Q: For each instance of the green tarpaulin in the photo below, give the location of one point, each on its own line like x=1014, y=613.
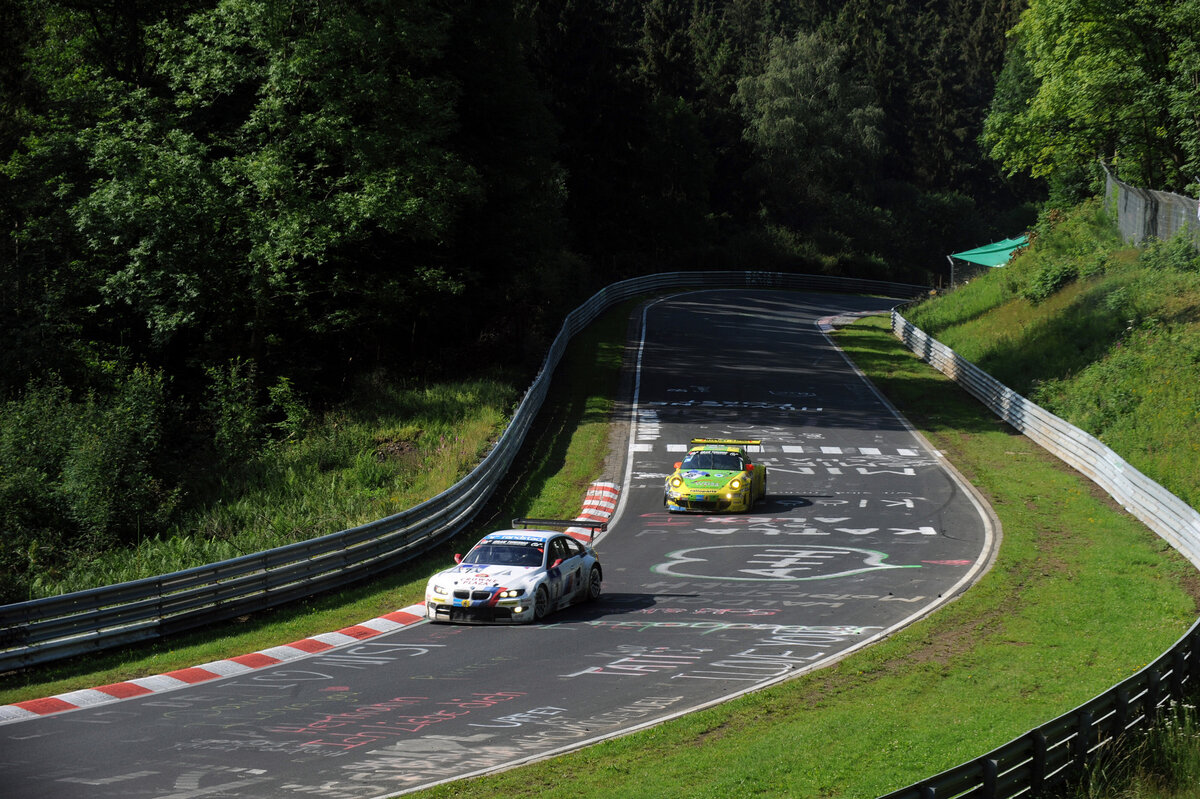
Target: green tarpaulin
x=994, y=254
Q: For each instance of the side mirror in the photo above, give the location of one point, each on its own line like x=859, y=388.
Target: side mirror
x=556, y=563
x=458, y=557
x=678, y=464
x=749, y=467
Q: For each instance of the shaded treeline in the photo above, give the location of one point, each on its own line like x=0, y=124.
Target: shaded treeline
x=218, y=216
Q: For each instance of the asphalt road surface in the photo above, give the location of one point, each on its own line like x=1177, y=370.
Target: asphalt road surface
x=862, y=530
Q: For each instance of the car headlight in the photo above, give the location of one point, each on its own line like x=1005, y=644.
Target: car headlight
x=676, y=482
x=512, y=592
x=735, y=484
x=439, y=590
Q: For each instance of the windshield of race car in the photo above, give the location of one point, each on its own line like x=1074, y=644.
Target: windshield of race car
x=506, y=553
x=724, y=461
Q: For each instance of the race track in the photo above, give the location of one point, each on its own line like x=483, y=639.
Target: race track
x=863, y=529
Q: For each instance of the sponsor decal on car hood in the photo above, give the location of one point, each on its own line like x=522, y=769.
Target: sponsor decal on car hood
x=706, y=478
x=485, y=576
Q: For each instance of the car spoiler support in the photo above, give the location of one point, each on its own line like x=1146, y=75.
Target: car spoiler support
x=595, y=527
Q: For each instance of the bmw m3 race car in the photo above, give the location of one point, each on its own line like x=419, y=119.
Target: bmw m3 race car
x=716, y=475
x=518, y=575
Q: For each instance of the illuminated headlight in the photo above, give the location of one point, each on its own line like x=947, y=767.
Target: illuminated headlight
x=439, y=590
x=512, y=592
x=676, y=482
x=735, y=484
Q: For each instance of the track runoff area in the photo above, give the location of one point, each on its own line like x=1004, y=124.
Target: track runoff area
x=863, y=529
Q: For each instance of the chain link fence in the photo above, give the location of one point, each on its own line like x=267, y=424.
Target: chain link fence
x=1143, y=214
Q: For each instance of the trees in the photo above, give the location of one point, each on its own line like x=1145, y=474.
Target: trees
x=1092, y=79
x=817, y=128
x=253, y=200
x=189, y=185
x=272, y=175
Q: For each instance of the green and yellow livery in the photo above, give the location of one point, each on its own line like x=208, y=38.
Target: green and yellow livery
x=717, y=475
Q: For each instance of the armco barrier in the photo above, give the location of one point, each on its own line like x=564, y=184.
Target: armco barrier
x=43, y=630
x=1047, y=756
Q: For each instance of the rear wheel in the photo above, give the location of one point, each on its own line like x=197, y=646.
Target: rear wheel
x=593, y=588
x=541, y=603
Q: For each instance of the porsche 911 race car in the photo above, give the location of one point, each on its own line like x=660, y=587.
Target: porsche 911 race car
x=518, y=575
x=716, y=475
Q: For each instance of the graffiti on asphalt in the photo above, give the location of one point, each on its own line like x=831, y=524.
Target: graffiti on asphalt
x=780, y=649
x=542, y=729
x=773, y=562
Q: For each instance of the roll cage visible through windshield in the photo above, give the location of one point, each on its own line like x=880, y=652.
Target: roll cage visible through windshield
x=721, y=461
x=507, y=553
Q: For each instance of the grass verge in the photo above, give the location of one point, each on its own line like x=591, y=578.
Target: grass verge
x=1159, y=762
x=563, y=454
x=1080, y=597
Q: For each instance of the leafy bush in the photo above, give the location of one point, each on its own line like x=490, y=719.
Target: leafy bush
x=35, y=436
x=109, y=476
x=234, y=411
x=289, y=406
x=391, y=449
x=80, y=476
x=1178, y=253
x=1048, y=280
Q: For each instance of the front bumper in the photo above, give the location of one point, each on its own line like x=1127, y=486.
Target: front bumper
x=438, y=608
x=707, y=503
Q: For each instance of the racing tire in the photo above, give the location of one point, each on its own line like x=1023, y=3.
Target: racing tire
x=541, y=603
x=593, y=586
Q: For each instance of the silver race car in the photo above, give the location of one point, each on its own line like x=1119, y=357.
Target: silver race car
x=518, y=576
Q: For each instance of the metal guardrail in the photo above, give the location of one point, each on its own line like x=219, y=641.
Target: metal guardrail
x=43, y=630
x=1048, y=755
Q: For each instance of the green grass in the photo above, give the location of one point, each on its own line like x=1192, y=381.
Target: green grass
x=1116, y=351
x=1080, y=596
x=1161, y=762
x=392, y=449
x=563, y=454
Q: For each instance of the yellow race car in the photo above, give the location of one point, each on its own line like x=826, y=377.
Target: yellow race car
x=716, y=475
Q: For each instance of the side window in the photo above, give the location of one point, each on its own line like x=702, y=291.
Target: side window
x=572, y=547
x=557, y=549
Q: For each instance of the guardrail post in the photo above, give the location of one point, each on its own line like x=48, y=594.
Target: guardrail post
x=1037, y=762
x=1179, y=666
x=1193, y=651
x=1083, y=741
x=1153, y=695
x=1121, y=711
x=991, y=771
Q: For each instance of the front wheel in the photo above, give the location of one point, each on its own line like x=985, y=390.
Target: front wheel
x=541, y=603
x=593, y=588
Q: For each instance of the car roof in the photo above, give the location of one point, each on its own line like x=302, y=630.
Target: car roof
x=523, y=535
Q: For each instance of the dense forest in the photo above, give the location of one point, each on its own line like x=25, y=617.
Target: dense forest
x=217, y=214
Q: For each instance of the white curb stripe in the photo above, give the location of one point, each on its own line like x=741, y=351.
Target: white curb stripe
x=598, y=505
